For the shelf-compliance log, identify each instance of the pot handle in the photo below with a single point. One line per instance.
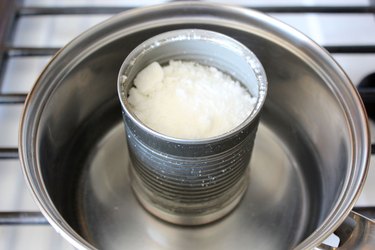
(356, 232)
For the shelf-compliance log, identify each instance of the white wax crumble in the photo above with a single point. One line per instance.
(188, 100)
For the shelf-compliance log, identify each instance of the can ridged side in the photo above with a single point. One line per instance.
(195, 190)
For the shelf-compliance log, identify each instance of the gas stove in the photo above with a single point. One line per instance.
(31, 32)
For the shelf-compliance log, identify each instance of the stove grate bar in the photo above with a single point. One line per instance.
(12, 98)
(15, 51)
(368, 212)
(22, 218)
(30, 51)
(351, 49)
(86, 10)
(8, 153)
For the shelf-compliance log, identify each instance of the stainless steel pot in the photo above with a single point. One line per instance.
(309, 161)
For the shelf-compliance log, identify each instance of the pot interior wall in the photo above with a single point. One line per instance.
(83, 107)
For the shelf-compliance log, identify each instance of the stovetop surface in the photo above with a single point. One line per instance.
(346, 28)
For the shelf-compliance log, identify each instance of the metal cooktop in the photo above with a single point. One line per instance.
(31, 31)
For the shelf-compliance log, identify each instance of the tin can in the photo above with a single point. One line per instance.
(191, 181)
